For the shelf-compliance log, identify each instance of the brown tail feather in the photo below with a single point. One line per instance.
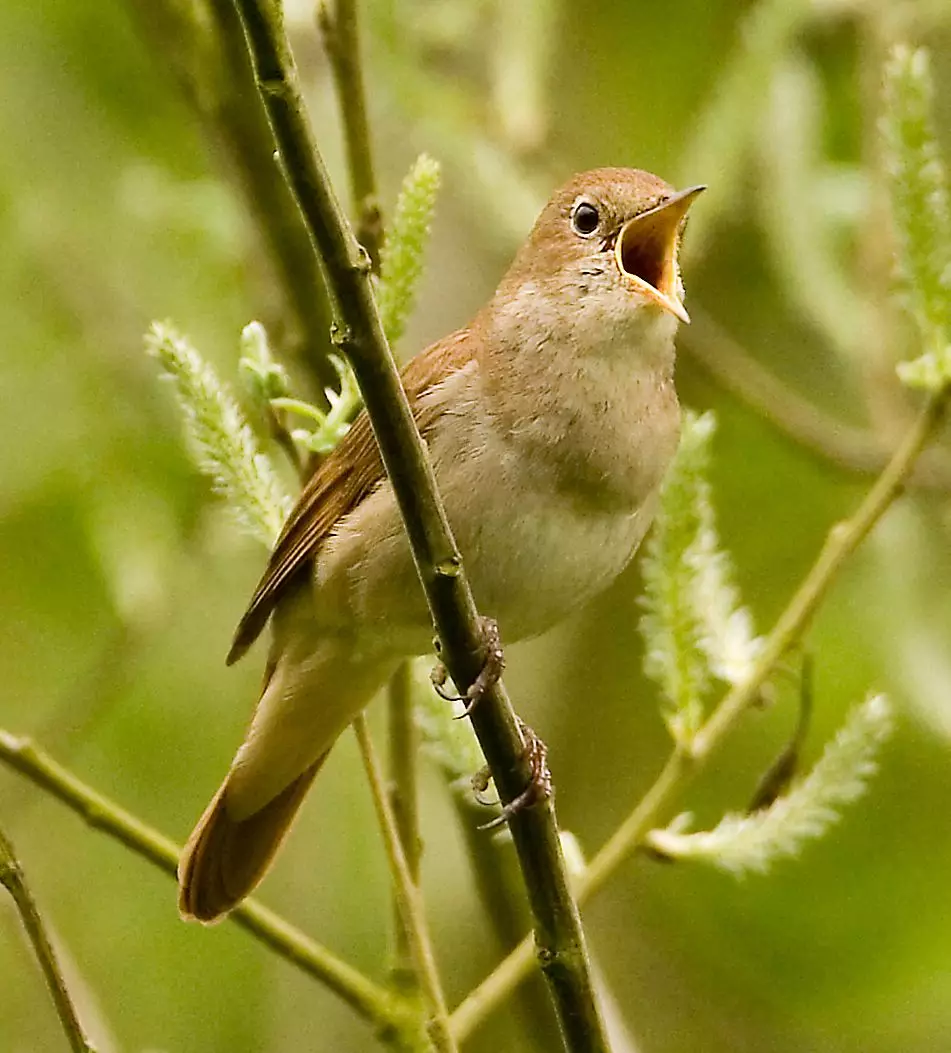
(226, 858)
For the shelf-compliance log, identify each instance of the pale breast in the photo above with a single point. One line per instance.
(546, 515)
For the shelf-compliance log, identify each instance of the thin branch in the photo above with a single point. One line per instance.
(558, 933)
(407, 895)
(13, 880)
(337, 21)
(503, 902)
(370, 1001)
(280, 433)
(685, 763)
(404, 802)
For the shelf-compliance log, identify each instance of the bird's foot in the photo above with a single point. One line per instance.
(538, 789)
(489, 674)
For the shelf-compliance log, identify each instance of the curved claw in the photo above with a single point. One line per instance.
(489, 674)
(539, 787)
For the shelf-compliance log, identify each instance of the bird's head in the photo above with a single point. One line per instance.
(603, 249)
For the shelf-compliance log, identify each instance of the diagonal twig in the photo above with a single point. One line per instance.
(384, 1010)
(12, 879)
(855, 449)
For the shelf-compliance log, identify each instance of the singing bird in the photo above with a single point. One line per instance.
(550, 420)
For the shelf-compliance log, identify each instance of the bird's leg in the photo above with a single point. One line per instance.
(489, 674)
(539, 783)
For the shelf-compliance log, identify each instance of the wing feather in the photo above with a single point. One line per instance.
(342, 480)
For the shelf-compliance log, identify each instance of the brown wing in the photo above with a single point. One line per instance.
(340, 483)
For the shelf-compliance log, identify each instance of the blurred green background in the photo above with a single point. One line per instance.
(122, 579)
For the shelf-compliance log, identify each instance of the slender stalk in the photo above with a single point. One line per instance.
(337, 21)
(407, 894)
(501, 895)
(13, 880)
(367, 999)
(558, 933)
(404, 803)
(277, 426)
(843, 539)
(685, 763)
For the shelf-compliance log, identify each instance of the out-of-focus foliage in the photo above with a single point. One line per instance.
(220, 439)
(919, 193)
(694, 627)
(744, 843)
(123, 579)
(406, 238)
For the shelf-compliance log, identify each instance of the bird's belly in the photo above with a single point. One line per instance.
(532, 562)
(535, 544)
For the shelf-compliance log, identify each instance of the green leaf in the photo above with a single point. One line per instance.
(405, 244)
(694, 626)
(221, 442)
(918, 188)
(264, 375)
(744, 843)
(330, 427)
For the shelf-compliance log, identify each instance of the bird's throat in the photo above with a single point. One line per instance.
(594, 407)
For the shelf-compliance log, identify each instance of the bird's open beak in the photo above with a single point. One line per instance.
(646, 250)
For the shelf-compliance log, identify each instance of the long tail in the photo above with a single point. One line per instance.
(225, 858)
(315, 690)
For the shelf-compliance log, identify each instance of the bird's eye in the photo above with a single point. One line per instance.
(585, 219)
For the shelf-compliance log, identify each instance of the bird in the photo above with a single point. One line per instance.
(550, 420)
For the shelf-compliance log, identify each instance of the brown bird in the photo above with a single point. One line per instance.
(550, 420)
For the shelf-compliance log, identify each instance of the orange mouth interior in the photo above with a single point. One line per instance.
(646, 251)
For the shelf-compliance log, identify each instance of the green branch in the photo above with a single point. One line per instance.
(381, 1008)
(830, 440)
(403, 795)
(408, 898)
(337, 21)
(559, 936)
(13, 880)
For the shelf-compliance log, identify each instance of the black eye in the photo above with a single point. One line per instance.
(585, 219)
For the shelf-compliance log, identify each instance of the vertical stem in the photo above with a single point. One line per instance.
(558, 932)
(503, 901)
(403, 794)
(12, 879)
(408, 898)
(337, 21)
